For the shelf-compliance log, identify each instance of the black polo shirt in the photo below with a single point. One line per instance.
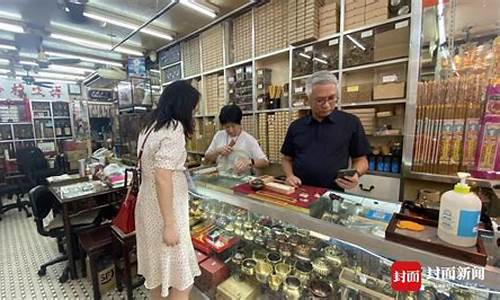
(320, 149)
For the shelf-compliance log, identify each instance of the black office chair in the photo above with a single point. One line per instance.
(43, 202)
(32, 162)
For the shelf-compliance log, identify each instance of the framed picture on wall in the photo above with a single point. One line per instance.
(74, 89)
(125, 94)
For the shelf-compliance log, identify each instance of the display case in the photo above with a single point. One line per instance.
(333, 249)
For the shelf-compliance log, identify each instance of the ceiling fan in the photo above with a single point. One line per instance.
(30, 80)
(44, 61)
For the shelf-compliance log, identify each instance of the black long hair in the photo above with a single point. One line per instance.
(177, 102)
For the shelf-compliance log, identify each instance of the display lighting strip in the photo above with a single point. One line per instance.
(198, 7)
(84, 58)
(123, 24)
(94, 44)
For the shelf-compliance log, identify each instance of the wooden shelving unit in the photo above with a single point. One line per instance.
(281, 62)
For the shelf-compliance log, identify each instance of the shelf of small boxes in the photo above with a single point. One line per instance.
(263, 131)
(277, 127)
(241, 38)
(196, 83)
(271, 27)
(191, 57)
(240, 87)
(212, 48)
(214, 93)
(247, 122)
(204, 132)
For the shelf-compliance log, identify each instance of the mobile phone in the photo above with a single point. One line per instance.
(346, 172)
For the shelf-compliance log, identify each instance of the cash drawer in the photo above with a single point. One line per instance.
(377, 187)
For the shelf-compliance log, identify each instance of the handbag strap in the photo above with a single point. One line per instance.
(142, 146)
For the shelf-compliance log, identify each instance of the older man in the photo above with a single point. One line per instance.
(316, 147)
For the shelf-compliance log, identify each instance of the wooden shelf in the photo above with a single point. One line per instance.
(372, 103)
(384, 174)
(376, 64)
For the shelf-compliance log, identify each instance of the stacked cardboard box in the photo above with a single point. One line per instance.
(248, 124)
(270, 27)
(365, 12)
(328, 19)
(263, 131)
(303, 20)
(196, 83)
(366, 116)
(191, 57)
(214, 93)
(242, 37)
(212, 48)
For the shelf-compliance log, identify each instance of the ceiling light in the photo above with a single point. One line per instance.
(4, 61)
(59, 76)
(7, 47)
(11, 27)
(127, 25)
(4, 71)
(68, 69)
(199, 8)
(85, 58)
(155, 87)
(30, 63)
(10, 15)
(154, 71)
(94, 44)
(38, 78)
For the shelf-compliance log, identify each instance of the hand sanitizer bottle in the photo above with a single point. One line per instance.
(459, 214)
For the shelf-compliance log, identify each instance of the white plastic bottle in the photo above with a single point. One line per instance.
(459, 214)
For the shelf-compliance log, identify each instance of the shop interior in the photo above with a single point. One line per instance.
(79, 79)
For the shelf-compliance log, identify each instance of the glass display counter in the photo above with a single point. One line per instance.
(335, 249)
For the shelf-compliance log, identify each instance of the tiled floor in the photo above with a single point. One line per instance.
(23, 250)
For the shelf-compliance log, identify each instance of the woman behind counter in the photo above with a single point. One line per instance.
(232, 138)
(165, 254)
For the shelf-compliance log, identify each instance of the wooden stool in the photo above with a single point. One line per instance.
(94, 242)
(124, 243)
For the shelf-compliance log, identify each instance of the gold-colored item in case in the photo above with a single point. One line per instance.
(229, 227)
(248, 266)
(302, 252)
(303, 271)
(259, 255)
(271, 245)
(262, 271)
(294, 240)
(291, 288)
(285, 250)
(303, 233)
(274, 258)
(248, 235)
(321, 266)
(274, 282)
(321, 289)
(283, 270)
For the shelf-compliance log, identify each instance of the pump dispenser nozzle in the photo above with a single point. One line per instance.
(462, 186)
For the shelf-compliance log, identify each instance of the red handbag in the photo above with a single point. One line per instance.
(125, 219)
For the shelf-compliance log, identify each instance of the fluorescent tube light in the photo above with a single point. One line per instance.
(85, 58)
(68, 69)
(127, 25)
(304, 55)
(94, 44)
(320, 60)
(26, 62)
(59, 76)
(11, 27)
(7, 47)
(4, 71)
(356, 42)
(55, 80)
(10, 15)
(154, 71)
(4, 61)
(199, 8)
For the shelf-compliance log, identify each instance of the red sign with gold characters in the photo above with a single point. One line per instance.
(406, 276)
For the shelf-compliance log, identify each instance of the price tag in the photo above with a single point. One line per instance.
(366, 34)
(299, 89)
(353, 88)
(333, 42)
(402, 24)
(308, 49)
(260, 86)
(260, 72)
(389, 78)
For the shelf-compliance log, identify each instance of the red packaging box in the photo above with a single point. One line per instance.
(213, 273)
(200, 257)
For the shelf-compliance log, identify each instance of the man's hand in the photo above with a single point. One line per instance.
(242, 165)
(225, 150)
(293, 181)
(348, 182)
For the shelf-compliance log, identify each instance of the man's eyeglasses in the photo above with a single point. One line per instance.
(323, 100)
